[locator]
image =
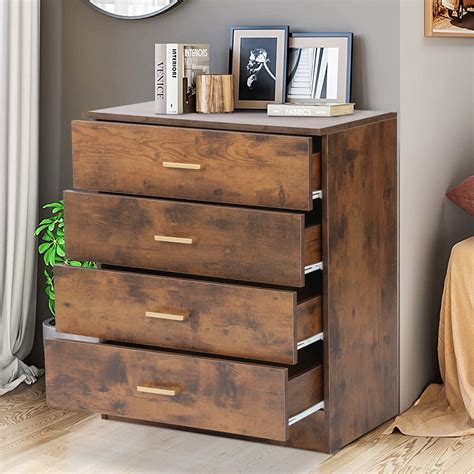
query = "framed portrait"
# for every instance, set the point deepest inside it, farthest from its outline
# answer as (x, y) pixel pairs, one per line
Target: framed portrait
(319, 68)
(454, 18)
(258, 63)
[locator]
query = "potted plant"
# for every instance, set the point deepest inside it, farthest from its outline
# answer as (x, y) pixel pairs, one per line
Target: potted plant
(51, 246)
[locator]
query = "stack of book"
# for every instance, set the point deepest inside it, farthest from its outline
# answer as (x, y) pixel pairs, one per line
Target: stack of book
(310, 110)
(176, 67)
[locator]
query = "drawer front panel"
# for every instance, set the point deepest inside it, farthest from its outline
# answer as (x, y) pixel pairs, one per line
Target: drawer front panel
(201, 316)
(226, 242)
(212, 394)
(225, 167)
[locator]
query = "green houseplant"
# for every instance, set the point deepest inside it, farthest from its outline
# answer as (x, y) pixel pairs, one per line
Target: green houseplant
(51, 246)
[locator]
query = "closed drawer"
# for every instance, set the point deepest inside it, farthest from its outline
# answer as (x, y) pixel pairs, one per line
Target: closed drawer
(248, 399)
(225, 242)
(231, 320)
(227, 167)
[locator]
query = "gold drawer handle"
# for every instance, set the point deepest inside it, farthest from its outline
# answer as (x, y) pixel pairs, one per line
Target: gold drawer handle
(170, 392)
(173, 240)
(172, 316)
(182, 166)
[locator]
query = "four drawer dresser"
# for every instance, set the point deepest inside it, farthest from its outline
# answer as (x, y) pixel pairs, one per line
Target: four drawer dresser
(247, 274)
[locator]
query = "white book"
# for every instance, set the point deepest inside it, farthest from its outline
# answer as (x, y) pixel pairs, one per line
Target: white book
(160, 78)
(174, 86)
(310, 110)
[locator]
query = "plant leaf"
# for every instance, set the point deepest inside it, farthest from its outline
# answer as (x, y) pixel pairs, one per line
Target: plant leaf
(53, 205)
(74, 263)
(51, 256)
(40, 229)
(46, 256)
(51, 306)
(43, 247)
(60, 251)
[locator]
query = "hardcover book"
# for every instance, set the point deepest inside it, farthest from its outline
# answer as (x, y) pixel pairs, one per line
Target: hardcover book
(176, 68)
(310, 110)
(160, 78)
(174, 87)
(195, 61)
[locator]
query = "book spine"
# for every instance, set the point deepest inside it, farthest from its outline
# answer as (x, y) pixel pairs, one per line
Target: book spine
(296, 111)
(160, 78)
(180, 76)
(172, 97)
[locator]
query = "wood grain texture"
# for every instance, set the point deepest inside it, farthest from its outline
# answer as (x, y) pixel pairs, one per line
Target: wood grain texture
(228, 242)
(309, 318)
(237, 168)
(214, 93)
(232, 320)
(312, 245)
(248, 121)
(304, 389)
(360, 279)
(315, 172)
(214, 394)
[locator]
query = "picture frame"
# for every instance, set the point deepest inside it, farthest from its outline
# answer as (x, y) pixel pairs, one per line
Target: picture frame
(449, 18)
(319, 68)
(257, 61)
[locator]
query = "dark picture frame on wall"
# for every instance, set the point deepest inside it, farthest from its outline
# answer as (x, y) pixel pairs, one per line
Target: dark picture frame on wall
(257, 60)
(319, 68)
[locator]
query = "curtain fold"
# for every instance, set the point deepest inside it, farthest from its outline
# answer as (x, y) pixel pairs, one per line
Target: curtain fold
(19, 124)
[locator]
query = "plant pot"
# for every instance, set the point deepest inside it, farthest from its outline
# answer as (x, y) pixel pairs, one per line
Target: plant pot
(49, 332)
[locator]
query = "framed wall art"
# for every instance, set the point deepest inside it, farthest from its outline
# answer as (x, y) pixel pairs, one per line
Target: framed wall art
(319, 68)
(258, 65)
(454, 18)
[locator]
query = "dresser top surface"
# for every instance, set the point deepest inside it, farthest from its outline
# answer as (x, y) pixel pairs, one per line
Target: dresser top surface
(247, 121)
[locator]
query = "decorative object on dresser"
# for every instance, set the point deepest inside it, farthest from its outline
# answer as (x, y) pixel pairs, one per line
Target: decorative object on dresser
(319, 68)
(310, 110)
(214, 93)
(176, 68)
(249, 274)
(257, 61)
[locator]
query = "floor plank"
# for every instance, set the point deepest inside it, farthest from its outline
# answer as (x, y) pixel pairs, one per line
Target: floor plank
(36, 438)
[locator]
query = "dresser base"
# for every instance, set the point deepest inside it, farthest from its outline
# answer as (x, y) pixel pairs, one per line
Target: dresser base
(310, 434)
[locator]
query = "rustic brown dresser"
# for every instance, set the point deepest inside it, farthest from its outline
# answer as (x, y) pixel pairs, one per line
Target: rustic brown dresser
(247, 280)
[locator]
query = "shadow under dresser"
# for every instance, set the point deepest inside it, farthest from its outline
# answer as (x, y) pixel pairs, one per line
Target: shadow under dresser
(247, 274)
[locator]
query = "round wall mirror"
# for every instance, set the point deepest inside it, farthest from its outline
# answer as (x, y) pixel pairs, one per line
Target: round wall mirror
(133, 9)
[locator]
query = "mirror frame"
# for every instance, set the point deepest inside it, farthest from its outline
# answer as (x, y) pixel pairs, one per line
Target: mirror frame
(140, 17)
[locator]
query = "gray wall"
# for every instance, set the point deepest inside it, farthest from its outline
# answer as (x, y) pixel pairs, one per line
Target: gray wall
(91, 61)
(436, 153)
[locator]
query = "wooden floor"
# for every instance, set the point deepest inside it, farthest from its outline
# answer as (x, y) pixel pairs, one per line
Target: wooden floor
(35, 438)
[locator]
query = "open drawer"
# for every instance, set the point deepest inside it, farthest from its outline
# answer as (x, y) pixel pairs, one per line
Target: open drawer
(253, 169)
(234, 243)
(234, 320)
(250, 399)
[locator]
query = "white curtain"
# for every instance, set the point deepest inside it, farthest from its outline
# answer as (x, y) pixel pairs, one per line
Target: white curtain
(19, 90)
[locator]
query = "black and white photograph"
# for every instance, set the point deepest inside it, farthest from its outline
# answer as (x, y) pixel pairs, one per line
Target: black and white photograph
(319, 67)
(258, 63)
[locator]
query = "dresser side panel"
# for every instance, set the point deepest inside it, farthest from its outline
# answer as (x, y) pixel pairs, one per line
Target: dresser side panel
(360, 256)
